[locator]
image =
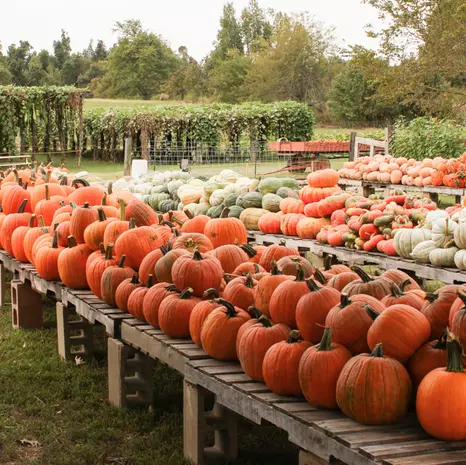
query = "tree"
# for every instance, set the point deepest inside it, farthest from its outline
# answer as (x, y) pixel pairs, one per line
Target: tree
(229, 36)
(5, 75)
(62, 49)
(187, 78)
(75, 66)
(255, 26)
(18, 61)
(139, 63)
(100, 52)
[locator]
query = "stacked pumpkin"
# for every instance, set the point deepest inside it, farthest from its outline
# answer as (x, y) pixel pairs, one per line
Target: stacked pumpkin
(410, 172)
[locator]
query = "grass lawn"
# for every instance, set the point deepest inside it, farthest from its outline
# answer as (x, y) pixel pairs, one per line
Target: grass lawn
(62, 410)
(91, 103)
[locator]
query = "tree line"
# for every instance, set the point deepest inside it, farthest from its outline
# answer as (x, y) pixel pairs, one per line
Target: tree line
(264, 55)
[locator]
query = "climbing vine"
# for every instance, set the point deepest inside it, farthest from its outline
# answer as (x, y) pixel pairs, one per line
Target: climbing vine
(45, 119)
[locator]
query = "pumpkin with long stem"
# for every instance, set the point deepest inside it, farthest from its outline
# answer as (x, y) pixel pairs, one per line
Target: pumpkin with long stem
(136, 299)
(95, 269)
(152, 300)
(200, 312)
(46, 261)
(124, 290)
(428, 357)
(255, 342)
(30, 237)
(109, 210)
(281, 364)
(174, 313)
(398, 296)
(47, 208)
(319, 369)
(164, 265)
(312, 310)
(287, 265)
(81, 218)
(441, 397)
(374, 389)
(197, 272)
(378, 287)
(266, 287)
(220, 330)
(400, 328)
(285, 298)
(141, 212)
(399, 278)
(350, 321)
(337, 281)
(13, 198)
(72, 264)
(94, 233)
(116, 228)
(112, 277)
(240, 291)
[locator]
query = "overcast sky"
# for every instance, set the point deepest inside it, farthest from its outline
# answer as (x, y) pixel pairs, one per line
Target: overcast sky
(193, 23)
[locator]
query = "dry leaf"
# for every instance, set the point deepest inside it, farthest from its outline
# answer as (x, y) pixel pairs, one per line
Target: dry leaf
(79, 361)
(28, 443)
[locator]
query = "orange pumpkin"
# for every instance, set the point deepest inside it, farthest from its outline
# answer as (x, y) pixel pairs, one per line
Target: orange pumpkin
(72, 265)
(224, 230)
(152, 300)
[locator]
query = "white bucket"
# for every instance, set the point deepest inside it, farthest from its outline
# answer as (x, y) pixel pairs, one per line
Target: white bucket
(138, 168)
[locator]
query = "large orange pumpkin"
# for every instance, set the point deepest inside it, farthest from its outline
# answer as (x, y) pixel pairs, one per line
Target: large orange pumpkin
(94, 232)
(200, 312)
(135, 302)
(124, 290)
(240, 291)
(163, 267)
(72, 264)
(195, 224)
(17, 240)
(47, 208)
(319, 370)
(9, 225)
(152, 300)
(46, 261)
(274, 253)
(308, 228)
(378, 287)
(92, 195)
(81, 218)
(141, 212)
(191, 241)
(95, 269)
(115, 229)
(224, 230)
(323, 178)
(397, 296)
(361, 383)
(112, 277)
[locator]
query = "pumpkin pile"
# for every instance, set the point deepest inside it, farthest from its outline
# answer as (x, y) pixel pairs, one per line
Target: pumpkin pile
(338, 336)
(409, 172)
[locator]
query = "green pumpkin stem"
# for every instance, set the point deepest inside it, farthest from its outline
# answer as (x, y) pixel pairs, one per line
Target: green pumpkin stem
(122, 261)
(73, 205)
(22, 206)
(294, 336)
(320, 277)
(132, 223)
(249, 281)
(171, 288)
(256, 268)
(462, 296)
(249, 250)
(25, 186)
(326, 341)
(80, 181)
(104, 199)
(274, 271)
(312, 285)
(210, 294)
(362, 274)
(254, 312)
(299, 272)
(371, 312)
(405, 284)
(62, 203)
(102, 248)
(32, 218)
(396, 291)
(344, 300)
(378, 351)
(110, 188)
(109, 252)
(164, 250)
(265, 321)
(186, 293)
(431, 297)
(47, 194)
(122, 209)
(197, 255)
(177, 221)
(328, 262)
(71, 242)
(101, 214)
(441, 342)
(455, 354)
(224, 213)
(231, 312)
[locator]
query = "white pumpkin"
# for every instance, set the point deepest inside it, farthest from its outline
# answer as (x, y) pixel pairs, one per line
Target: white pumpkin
(406, 239)
(217, 197)
(443, 257)
(421, 252)
(460, 235)
(460, 259)
(434, 215)
(443, 230)
(189, 193)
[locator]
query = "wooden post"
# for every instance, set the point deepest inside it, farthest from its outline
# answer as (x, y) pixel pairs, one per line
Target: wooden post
(2, 284)
(352, 146)
(128, 155)
(388, 135)
(144, 143)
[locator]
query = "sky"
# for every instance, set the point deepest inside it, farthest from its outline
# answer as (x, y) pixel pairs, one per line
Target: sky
(193, 23)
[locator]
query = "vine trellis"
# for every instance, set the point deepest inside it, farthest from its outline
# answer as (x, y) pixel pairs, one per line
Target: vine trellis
(43, 120)
(183, 125)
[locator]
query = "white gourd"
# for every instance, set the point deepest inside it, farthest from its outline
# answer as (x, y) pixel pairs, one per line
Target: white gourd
(406, 239)
(217, 197)
(443, 257)
(460, 235)
(442, 231)
(434, 215)
(460, 259)
(421, 252)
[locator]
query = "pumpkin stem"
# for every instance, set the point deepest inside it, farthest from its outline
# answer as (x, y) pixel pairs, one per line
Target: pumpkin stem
(31, 220)
(256, 268)
(294, 336)
(378, 351)
(254, 312)
(25, 186)
(122, 209)
(224, 213)
(108, 252)
(135, 279)
(73, 205)
(86, 205)
(326, 341)
(101, 214)
(455, 354)
(328, 262)
(320, 277)
(462, 296)
(396, 291)
(122, 261)
(197, 255)
(344, 300)
(231, 312)
(167, 223)
(249, 281)
(171, 288)
(71, 242)
(312, 285)
(264, 321)
(405, 284)
(362, 274)
(274, 271)
(150, 281)
(22, 206)
(110, 188)
(62, 203)
(104, 199)
(188, 213)
(177, 220)
(210, 294)
(55, 240)
(132, 223)
(47, 195)
(64, 181)
(102, 248)
(176, 233)
(83, 182)
(441, 343)
(249, 250)
(431, 297)
(163, 249)
(371, 312)
(299, 272)
(186, 293)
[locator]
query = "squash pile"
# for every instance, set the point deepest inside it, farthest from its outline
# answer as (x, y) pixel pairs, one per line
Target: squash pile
(341, 338)
(409, 172)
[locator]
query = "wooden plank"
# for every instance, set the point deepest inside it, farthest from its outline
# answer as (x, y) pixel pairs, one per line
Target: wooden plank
(272, 398)
(311, 417)
(440, 458)
(225, 369)
(359, 439)
(294, 407)
(208, 362)
(250, 388)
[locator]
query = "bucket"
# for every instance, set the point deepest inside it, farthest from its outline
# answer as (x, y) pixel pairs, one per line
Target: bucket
(138, 168)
